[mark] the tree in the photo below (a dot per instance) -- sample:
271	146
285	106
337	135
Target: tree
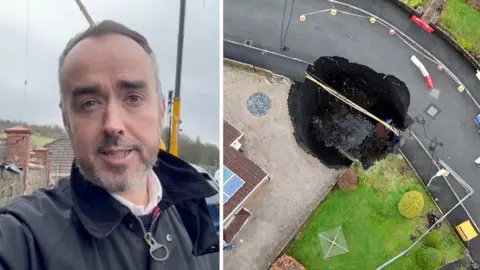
195	151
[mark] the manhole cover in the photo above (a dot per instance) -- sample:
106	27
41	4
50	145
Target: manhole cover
259	104
435	93
432	111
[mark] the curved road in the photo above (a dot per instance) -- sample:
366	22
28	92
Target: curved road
370	44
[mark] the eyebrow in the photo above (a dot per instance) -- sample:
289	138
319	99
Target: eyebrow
131	85
93	90
84	90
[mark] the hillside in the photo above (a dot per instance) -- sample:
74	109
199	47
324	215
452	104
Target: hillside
41	134
45	131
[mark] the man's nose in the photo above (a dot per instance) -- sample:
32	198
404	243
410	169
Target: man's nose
113	124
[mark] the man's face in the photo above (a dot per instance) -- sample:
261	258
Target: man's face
111	110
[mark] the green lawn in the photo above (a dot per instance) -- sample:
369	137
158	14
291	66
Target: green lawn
373	228
37	141
463	22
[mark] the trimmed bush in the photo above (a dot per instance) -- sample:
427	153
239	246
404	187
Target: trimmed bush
412	3
429	258
411	204
433	239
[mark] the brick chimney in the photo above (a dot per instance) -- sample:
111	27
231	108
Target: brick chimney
19	143
43	157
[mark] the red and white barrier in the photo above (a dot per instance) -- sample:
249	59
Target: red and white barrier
422	24
423	70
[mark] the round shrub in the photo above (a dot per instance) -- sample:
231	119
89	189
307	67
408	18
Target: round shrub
429	258
433	239
411	204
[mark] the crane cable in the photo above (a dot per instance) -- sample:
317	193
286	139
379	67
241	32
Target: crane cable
85	12
349	102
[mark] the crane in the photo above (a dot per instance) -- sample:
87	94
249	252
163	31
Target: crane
173	104
175	114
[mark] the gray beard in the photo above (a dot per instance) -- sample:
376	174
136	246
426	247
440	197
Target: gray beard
118	180
116	183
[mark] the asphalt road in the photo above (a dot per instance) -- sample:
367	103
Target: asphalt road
370	44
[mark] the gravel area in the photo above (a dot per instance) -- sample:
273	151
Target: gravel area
298	180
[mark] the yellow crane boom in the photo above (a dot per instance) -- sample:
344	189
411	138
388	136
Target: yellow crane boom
175	119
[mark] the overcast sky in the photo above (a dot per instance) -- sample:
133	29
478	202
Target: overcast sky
53	22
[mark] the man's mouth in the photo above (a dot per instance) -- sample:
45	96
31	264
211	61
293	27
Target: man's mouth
116	153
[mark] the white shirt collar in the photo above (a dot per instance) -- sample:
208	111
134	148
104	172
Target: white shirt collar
154	197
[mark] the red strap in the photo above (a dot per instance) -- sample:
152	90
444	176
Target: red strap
155	212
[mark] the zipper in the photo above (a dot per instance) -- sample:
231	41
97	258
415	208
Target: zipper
148	236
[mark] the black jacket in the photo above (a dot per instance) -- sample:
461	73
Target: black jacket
77	225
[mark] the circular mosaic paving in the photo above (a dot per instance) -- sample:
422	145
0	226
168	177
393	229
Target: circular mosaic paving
259	104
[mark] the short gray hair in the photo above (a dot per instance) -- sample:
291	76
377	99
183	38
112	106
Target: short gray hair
109	27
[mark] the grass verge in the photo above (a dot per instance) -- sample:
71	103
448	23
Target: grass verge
373	228
462	21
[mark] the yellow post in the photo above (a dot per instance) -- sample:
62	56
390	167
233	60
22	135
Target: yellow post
175	127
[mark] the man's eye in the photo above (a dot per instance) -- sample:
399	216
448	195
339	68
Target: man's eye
89	104
133	99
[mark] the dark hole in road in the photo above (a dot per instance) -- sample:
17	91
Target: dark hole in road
335	132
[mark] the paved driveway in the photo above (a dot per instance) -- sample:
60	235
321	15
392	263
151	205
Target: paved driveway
298	180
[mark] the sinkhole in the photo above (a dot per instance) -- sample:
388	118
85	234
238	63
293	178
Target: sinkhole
336	133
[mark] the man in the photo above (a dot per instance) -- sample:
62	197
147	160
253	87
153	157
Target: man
126	205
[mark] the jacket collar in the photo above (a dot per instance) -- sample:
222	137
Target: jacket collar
182	185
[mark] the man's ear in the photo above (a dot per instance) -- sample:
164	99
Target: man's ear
66	121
